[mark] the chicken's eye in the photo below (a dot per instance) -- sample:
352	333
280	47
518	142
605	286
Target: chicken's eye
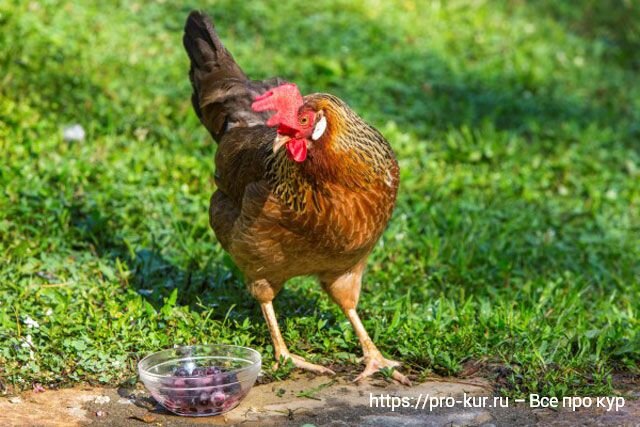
304	120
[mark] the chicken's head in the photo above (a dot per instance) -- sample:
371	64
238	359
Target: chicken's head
295	125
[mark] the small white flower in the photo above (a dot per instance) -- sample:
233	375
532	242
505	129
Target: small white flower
49	312
31	323
73	133
28	343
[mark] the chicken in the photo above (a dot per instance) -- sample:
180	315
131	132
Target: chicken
304	186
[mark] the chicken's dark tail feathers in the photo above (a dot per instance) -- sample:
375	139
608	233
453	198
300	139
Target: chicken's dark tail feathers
222	93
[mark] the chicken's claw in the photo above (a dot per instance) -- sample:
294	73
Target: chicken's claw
300	362
376	363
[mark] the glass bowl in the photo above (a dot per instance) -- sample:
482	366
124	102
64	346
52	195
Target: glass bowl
200	380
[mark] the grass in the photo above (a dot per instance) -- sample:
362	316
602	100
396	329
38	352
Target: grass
516	240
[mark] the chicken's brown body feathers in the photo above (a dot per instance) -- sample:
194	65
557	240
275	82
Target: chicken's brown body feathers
277	218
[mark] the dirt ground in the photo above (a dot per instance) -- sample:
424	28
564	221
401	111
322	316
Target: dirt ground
318	401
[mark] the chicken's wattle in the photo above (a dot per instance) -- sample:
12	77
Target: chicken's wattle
297	149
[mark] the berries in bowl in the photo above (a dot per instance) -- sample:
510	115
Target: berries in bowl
200	380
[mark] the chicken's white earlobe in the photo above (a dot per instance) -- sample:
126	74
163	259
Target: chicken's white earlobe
318	131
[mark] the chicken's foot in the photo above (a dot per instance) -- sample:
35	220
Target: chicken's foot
281	350
372	356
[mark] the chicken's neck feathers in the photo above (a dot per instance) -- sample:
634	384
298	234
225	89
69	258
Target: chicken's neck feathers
359	161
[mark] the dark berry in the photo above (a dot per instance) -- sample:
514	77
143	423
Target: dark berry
233	386
181	372
212	370
199	372
218	379
218	398
204	399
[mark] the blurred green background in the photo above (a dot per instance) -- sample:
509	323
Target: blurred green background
514	248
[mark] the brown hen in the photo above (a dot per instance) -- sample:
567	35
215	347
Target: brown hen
306	191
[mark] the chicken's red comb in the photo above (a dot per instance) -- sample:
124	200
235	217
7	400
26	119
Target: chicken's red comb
285	100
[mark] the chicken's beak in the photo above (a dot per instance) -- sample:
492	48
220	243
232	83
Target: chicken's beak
280	141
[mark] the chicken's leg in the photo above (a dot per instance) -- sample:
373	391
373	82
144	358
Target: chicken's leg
345	291
281	350
372	356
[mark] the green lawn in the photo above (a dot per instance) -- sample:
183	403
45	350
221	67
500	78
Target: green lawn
516	240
